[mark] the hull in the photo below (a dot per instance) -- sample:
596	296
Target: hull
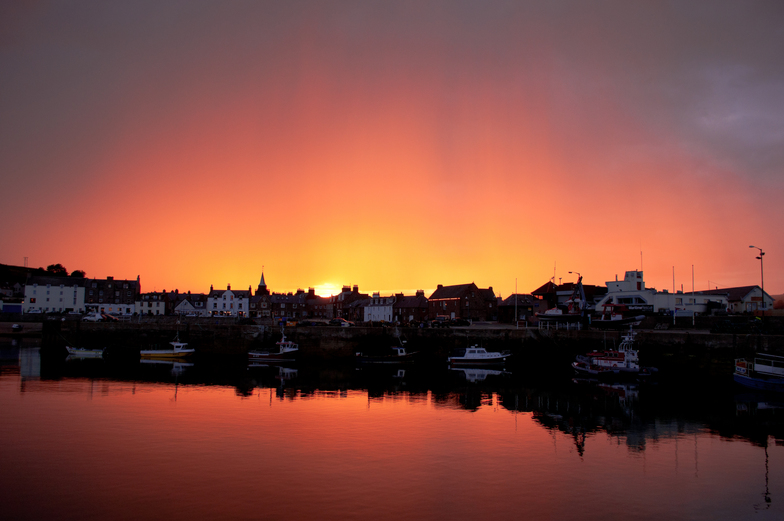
80	352
762	384
262	357
468	362
617	324
166	354
389	359
607	372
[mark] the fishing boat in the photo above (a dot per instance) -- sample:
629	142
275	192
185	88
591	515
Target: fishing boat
285	351
765	373
178	350
615	316
83	352
623	361
476	355
572	312
395	355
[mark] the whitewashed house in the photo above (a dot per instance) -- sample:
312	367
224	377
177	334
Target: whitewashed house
379	308
228	302
54	294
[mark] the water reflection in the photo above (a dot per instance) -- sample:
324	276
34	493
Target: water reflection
458	444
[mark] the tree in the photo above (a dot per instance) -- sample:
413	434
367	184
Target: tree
57	269
78	274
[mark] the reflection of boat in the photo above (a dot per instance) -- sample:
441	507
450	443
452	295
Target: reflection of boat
613	318
766	372
16	328
476	355
83	352
622	361
177	368
477	374
287	351
178	350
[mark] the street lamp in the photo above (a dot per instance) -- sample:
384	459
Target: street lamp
577	272
762	276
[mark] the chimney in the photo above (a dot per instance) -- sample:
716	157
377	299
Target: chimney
311	292
356	288
210	288
109	278
228	287
439	286
420	293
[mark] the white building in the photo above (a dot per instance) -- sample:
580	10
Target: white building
379	309
745	299
54	294
228	302
632	293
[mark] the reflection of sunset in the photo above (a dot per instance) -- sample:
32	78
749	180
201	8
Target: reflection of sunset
202	451
391	149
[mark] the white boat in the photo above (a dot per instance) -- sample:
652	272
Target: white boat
178	350
613	362
285	351
476	355
83	352
765	373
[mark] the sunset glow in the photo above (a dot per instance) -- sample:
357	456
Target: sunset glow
395	146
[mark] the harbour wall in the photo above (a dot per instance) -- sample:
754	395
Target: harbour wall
682	349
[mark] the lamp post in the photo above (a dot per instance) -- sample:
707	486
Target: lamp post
577	272
762	275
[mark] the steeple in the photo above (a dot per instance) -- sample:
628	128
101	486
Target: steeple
262	289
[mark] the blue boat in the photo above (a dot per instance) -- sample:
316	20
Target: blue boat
765	373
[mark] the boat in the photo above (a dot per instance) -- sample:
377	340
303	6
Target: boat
396	355
765	373
83	352
572	312
613	317
285	351
391	355
476	355
16	328
178	350
623	361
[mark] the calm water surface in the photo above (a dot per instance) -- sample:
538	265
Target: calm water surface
92	439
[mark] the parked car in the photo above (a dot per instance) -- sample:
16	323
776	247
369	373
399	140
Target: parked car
342	322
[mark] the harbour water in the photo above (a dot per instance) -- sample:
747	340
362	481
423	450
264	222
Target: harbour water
215	439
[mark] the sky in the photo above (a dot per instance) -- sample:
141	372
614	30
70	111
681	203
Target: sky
394	145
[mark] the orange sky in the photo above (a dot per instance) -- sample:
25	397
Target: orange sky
395	146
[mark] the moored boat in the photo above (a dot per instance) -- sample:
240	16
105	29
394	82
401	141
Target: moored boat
765	372
285	351
623	361
615	316
83	352
476	355
390	355
178	350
